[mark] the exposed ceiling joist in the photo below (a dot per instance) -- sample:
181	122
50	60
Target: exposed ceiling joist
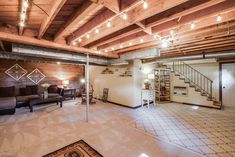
135	15
83	11
56	6
163	20
204	20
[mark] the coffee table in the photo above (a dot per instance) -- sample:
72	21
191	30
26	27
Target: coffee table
57	99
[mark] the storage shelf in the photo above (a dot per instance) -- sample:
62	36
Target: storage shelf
162	85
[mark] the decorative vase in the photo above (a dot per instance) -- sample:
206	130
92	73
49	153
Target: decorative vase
45	96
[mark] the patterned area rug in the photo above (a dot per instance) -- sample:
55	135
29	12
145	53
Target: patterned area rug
77	149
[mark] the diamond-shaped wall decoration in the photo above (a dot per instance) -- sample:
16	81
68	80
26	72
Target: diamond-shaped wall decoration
16	72
36	76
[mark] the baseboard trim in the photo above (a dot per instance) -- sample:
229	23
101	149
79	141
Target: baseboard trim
191	104
125	105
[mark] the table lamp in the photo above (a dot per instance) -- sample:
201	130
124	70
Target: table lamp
65	83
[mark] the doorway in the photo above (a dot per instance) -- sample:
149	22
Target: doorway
228	85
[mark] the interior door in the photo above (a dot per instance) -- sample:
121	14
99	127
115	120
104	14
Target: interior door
228	84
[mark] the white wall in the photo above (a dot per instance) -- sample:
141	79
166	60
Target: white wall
127	90
121	89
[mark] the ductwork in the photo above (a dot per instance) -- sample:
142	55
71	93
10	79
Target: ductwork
54	54
140	54
196	57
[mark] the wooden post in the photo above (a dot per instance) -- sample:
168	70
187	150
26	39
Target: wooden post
87	88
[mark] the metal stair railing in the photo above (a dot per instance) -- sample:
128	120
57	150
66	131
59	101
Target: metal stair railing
195	77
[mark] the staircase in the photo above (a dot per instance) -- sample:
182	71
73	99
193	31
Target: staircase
196	80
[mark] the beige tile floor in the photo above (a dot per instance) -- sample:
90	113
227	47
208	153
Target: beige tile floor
209	132
112	130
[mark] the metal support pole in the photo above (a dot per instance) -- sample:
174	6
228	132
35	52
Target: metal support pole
87	88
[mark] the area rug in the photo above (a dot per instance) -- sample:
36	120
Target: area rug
77	149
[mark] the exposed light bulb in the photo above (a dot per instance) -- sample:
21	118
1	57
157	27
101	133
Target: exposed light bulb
109	24
121	46
172	32
97	30
88	36
58	63
141	40
155	36
218	18
145	5
192	26
74	43
80	40
130	43
21	24
164	44
125	17
23	16
25	4
106	50
113	48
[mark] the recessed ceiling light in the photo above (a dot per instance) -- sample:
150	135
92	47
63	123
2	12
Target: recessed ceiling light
109	24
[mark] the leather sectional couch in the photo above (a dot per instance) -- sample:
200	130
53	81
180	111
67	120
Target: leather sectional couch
9	100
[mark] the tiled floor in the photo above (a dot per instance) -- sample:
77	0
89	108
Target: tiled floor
116	131
209	132
109	131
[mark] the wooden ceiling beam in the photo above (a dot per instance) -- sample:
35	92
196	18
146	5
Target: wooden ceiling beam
49	44
135	15
174	16
189	38
55	8
86	9
203	22
113	5
99	19
116	37
185	12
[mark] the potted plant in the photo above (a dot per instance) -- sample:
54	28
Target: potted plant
45	87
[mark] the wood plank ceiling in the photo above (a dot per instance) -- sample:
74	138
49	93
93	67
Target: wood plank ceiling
109	28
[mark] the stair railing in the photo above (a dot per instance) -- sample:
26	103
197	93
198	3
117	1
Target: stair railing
190	74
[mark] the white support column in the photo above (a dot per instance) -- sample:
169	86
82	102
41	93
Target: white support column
87	88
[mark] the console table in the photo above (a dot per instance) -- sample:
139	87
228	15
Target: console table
69	93
147	96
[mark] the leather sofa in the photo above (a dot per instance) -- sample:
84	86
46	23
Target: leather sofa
7	100
27	93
